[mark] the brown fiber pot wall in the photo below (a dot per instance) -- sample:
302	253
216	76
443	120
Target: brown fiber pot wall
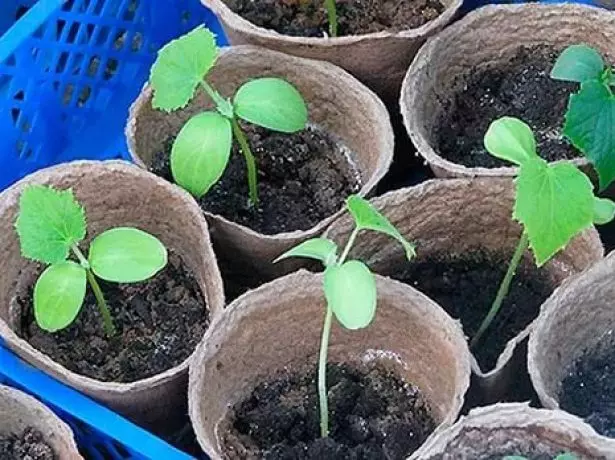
378	59
515	429
576	317
279	325
336	101
457	216
115	194
19	411
482	39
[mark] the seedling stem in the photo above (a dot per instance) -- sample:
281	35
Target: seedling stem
332	17
250	161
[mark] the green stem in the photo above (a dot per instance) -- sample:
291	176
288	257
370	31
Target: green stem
351	239
503	290
332	17
250	161
322	374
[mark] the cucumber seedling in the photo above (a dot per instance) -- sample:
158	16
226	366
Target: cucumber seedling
553	202
201	150
50	226
349	286
591	110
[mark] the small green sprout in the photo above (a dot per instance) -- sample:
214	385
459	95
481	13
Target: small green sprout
589	119
349	286
553	202
332	17
202	148
562	456
50	225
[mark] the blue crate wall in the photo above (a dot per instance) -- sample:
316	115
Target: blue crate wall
66	84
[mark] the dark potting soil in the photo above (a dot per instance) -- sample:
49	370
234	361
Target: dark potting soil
307	18
521	88
465	287
159	322
374	415
303	178
28	445
588	390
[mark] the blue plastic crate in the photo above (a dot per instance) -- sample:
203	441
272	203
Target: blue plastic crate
69	70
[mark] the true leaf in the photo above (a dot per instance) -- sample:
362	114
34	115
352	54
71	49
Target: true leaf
604	211
578	63
49	222
126	255
511	139
366	217
180	66
272	103
554	203
350	290
201	152
590	126
58	295
316	248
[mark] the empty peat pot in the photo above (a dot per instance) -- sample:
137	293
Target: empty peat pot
28	429
141	371
516	429
378	58
496	62
355	125
269	338
571	349
464	237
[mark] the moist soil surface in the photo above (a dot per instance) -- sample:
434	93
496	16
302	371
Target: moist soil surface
159	322
28	445
520	88
588	390
308	18
466	286
303	178
374	415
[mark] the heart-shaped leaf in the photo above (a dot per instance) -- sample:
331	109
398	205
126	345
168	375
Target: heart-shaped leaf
578	63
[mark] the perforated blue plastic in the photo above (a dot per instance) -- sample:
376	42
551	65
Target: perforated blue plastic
69	70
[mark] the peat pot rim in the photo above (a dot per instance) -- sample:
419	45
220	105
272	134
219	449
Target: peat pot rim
243	26
337	75
410	98
214	300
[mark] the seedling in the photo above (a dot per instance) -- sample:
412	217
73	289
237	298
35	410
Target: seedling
349	286
553	202
563	456
50	226
332	17
591	111
202	149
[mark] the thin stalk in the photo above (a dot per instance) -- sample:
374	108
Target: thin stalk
332	17
503	290
351	239
322	374
100	298
250	161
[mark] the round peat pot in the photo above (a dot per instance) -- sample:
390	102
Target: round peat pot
516	429
274	332
353	120
378	59
572	346
465	237
141	371
497	62
28	429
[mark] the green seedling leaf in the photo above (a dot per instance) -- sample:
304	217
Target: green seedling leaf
367	218
272	103
566	456
590	126
578	63
511	139
50	221
201	152
604	211
126	255
554	203
317	248
350	290
180	67
58	295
